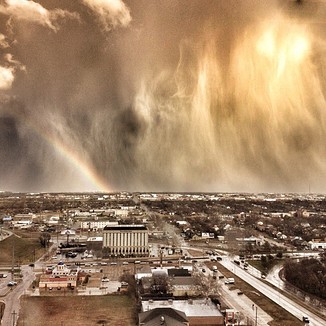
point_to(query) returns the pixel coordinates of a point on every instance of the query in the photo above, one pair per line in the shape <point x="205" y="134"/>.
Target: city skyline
<point x="212" y="96"/>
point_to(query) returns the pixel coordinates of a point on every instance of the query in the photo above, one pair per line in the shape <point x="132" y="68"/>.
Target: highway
<point x="273" y="294"/>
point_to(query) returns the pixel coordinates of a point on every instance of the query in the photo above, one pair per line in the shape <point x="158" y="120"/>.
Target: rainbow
<point x="83" y="167"/>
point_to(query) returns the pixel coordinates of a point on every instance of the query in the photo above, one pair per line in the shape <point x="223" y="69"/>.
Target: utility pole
<point x="14" y="314"/>
<point x="256" y="316"/>
<point x="13" y="260"/>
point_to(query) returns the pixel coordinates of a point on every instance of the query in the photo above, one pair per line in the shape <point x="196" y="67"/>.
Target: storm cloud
<point x="162" y="95"/>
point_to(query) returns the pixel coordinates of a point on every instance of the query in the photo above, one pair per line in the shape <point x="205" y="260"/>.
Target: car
<point x="125" y="263"/>
<point x="11" y="283"/>
<point x="305" y="319"/>
<point x="105" y="279"/>
<point x="229" y="280"/>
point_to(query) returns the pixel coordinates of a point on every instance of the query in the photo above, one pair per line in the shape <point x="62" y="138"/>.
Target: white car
<point x="12" y="283"/>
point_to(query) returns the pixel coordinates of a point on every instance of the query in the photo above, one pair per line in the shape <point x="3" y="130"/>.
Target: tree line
<point x="308" y="275"/>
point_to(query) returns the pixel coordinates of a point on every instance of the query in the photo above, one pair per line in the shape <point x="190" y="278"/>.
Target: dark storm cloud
<point x="162" y="95"/>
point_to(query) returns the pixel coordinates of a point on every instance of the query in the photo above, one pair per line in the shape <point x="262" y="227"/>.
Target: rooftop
<point x="127" y="227"/>
<point x="191" y="307"/>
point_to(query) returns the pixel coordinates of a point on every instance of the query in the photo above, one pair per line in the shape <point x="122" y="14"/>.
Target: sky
<point x="173" y="95"/>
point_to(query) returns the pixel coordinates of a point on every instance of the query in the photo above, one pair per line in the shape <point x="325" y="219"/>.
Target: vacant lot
<point x="116" y="310"/>
<point x="24" y="248"/>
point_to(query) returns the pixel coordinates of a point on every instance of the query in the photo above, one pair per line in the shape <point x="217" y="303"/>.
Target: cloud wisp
<point x="192" y="96"/>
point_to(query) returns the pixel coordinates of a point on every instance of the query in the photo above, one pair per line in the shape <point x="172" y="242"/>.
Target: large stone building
<point x="126" y="240"/>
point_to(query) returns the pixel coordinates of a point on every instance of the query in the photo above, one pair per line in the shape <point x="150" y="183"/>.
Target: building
<point x="162" y="316"/>
<point x="198" y="311"/>
<point x="317" y="244"/>
<point x="61" y="277"/>
<point x="96" y="224"/>
<point x="126" y="240"/>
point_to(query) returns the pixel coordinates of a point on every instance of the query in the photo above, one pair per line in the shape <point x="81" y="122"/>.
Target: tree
<point x="45" y="238"/>
<point x="159" y="284"/>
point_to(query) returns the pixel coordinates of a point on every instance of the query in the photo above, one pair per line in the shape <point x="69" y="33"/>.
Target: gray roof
<point x="178" y="272"/>
<point x="127" y="227"/>
<point x="163" y="316"/>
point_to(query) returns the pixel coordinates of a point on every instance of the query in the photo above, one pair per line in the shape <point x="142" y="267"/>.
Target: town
<point x="162" y="258"/>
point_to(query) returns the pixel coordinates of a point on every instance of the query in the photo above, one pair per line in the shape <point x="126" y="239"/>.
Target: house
<point x="183" y="286"/>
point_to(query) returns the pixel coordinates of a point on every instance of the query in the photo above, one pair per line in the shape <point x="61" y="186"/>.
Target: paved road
<point x="12" y="299"/>
<point x="274" y="295"/>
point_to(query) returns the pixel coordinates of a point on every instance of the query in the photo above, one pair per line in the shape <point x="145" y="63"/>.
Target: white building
<point x="96" y="224"/>
<point x="129" y="240"/>
<point x="317" y="244"/>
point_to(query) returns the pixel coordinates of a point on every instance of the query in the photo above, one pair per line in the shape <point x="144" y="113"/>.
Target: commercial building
<point x="60" y="277"/>
<point x="162" y="316"/>
<point x="96" y="224"/>
<point x="126" y="240"/>
<point x="197" y="311"/>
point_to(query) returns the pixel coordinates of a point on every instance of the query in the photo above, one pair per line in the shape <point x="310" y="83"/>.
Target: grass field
<point x="25" y="249"/>
<point x="115" y="310"/>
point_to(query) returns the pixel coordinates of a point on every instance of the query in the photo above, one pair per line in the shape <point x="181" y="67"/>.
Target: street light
<point x="256" y="315"/>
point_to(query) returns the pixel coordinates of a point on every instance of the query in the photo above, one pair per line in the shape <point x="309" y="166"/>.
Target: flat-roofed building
<point x="126" y="240"/>
<point x="96" y="224"/>
<point x="197" y="311"/>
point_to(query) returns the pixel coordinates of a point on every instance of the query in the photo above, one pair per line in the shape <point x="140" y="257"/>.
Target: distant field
<point x="24" y="249"/>
<point x="117" y="310"/>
